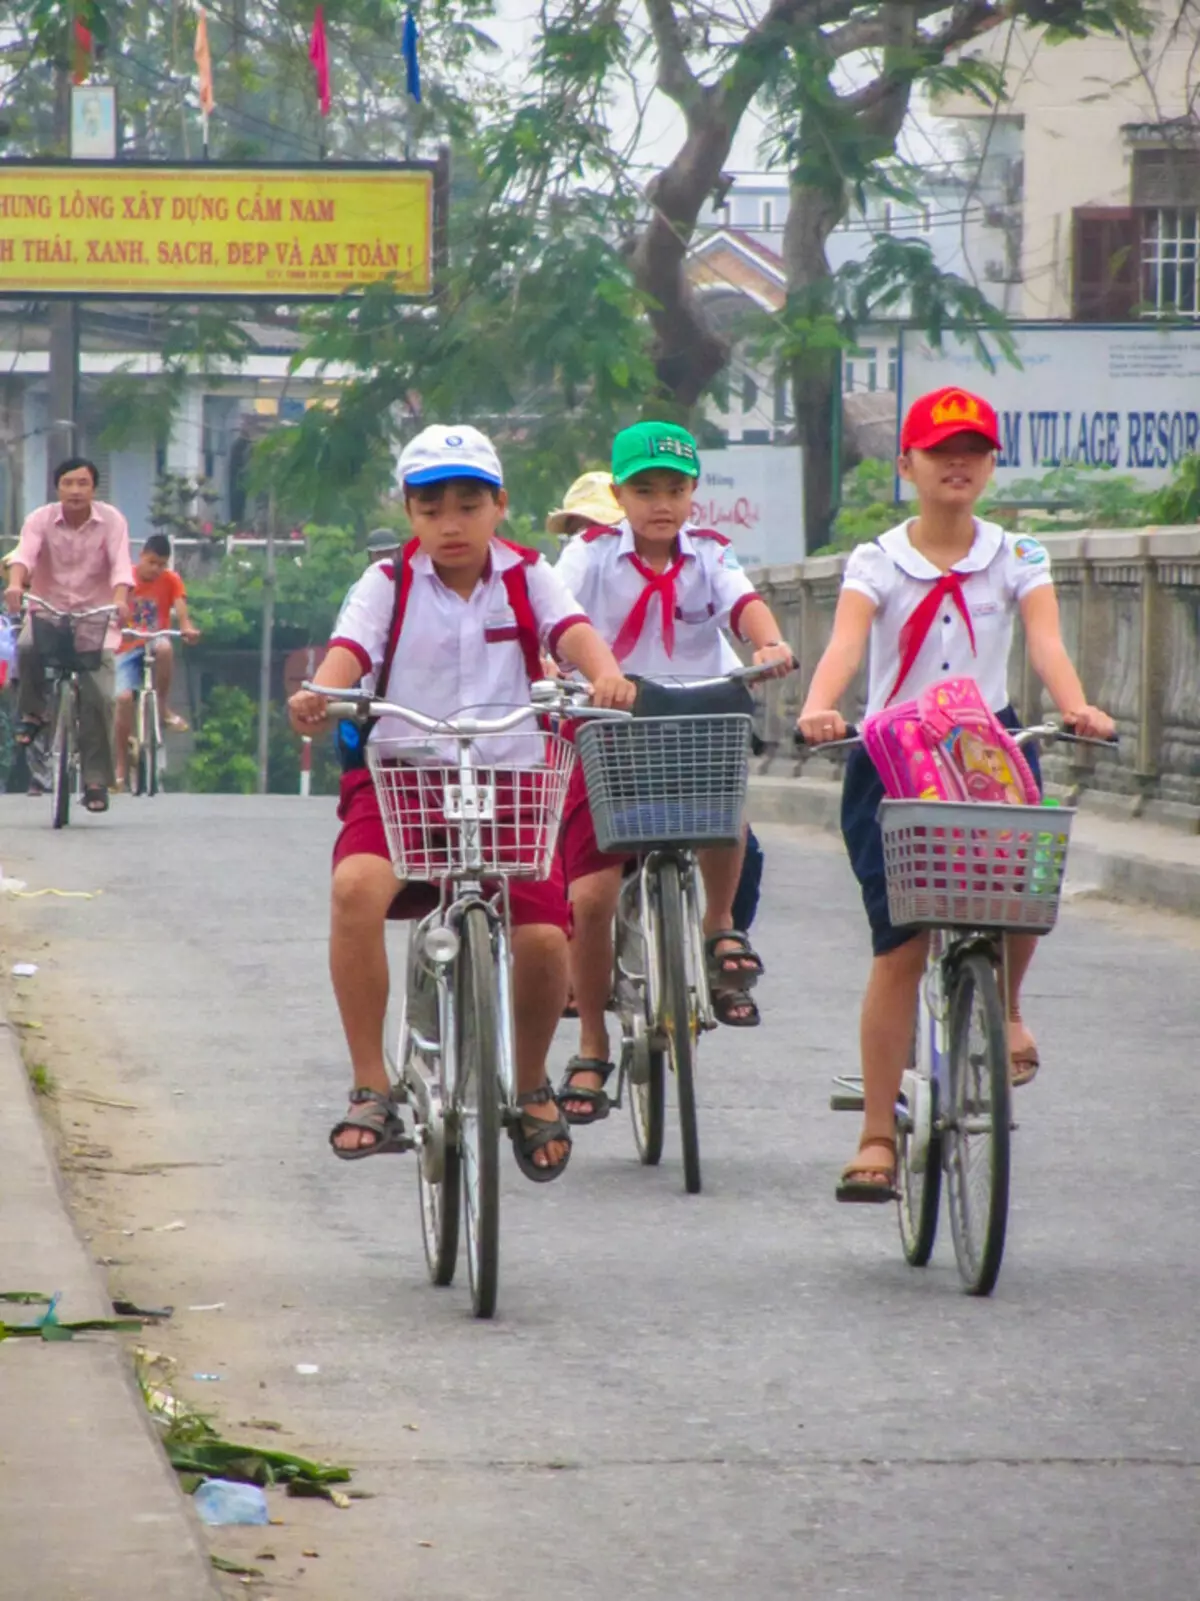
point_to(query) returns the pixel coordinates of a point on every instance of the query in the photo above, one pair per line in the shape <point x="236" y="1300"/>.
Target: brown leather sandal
<point x="854" y="1185"/>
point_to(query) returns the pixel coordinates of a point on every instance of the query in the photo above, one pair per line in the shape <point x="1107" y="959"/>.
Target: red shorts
<point x="531" y="900"/>
<point x="577" y="848"/>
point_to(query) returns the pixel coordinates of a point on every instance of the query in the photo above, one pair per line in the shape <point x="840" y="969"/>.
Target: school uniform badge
<point x="1030" y="552"/>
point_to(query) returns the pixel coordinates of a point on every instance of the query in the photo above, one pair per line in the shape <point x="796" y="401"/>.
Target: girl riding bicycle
<point x="935" y="596"/>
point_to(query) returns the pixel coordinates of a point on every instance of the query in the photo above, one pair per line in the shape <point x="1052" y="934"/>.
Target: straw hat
<point x="591" y="498"/>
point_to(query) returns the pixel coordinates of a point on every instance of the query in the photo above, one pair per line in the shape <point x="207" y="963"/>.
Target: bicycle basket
<point x="69" y="644"/>
<point x="666" y="780"/>
<point x="502" y="825"/>
<point x="951" y="864"/>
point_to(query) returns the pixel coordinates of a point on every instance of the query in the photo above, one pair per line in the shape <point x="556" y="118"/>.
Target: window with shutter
<point x="1105" y="263"/>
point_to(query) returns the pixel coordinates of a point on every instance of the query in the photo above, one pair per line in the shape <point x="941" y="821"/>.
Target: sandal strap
<point x="361" y="1097"/>
<point x="538" y="1097"/>
<point x="539" y="1131"/>
<point x="587" y="1064"/>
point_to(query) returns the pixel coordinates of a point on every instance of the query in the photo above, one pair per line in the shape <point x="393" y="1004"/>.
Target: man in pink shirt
<point x="75" y="554"/>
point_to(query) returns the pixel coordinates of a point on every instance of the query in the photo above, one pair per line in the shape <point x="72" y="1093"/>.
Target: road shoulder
<point x="91" y="1509"/>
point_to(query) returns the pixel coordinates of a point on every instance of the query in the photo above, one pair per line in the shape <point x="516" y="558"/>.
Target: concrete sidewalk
<point x="89" y="1508"/>
<point x="1123" y="859"/>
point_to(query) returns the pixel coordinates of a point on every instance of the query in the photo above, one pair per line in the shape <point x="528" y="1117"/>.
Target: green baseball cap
<point x="650" y="445"/>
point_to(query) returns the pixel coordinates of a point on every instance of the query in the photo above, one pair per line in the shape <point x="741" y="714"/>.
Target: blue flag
<point x="409" y="50"/>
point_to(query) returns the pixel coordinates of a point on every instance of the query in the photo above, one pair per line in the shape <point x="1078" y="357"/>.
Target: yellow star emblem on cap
<point x="955" y="407"/>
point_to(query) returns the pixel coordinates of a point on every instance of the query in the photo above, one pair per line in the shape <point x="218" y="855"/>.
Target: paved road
<point x="682" y="1398"/>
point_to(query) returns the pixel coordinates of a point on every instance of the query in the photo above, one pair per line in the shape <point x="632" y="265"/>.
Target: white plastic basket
<point x="503" y="824"/>
<point x="953" y="864"/>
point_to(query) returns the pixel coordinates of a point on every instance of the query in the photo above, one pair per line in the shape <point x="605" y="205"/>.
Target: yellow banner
<point x="209" y="230"/>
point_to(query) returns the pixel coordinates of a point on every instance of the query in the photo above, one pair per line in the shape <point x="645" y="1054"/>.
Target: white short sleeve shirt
<point x="453" y="651"/>
<point x="711" y="592"/>
<point x="997" y="573"/>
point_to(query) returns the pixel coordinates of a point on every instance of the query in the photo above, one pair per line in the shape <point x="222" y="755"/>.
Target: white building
<point x="1097" y="195"/>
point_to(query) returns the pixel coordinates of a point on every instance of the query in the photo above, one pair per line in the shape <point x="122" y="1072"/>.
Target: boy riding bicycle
<point x="933" y="597"/>
<point x="660" y="590"/>
<point x="158" y="594"/>
<point x="459" y="621"/>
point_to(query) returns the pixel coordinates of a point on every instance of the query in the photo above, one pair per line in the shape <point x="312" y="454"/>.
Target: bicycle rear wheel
<point x="677" y="1014"/>
<point x="62" y="757"/>
<point x="478" y="1054"/>
<point x="919" y="1192"/>
<point x="978" y="1123"/>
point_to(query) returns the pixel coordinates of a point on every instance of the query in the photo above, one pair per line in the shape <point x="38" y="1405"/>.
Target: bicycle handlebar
<point x="156" y="633"/>
<point x="1053" y="733"/>
<point x="94" y="611"/>
<point x="362" y="704"/>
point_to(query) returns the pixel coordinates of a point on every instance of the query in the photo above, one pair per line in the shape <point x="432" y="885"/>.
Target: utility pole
<point x="64" y="314"/>
<point x="268" y="635"/>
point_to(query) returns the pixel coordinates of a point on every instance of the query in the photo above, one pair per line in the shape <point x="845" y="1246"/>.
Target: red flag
<point x="318" y="54"/>
<point x="204" y="65"/>
<point x="81" y="52"/>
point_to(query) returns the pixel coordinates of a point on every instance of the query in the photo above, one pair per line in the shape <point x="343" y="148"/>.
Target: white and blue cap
<point x="460" y="451"/>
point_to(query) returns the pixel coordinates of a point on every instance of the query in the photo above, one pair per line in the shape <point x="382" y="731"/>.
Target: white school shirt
<point x="444" y="659"/>
<point x="999" y="570"/>
<point x="711" y="592"/>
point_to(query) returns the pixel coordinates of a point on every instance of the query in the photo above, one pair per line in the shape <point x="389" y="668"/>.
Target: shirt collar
<point x="896" y="543"/>
<point x="500" y="558"/>
<point x="61" y="519"/>
<point x="625" y="546"/>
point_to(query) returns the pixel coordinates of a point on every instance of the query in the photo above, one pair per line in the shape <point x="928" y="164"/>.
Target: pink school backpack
<point x="948" y="745"/>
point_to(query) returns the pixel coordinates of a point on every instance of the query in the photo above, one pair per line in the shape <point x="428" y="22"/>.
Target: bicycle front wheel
<point x="479" y="1109"/>
<point x="677" y="1014"/>
<point x="978" y="1123"/>
<point x="62" y="757"/>
<point x="150" y="746"/>
<point x="644" y="1066"/>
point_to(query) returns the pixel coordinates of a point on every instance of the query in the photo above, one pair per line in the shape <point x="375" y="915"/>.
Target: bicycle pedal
<point x="845" y="1103"/>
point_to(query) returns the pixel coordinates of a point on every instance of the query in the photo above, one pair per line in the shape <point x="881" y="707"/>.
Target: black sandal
<point x="746" y="968"/>
<point x="530" y="1134"/>
<point x="735" y="1008"/>
<point x="597" y="1100"/>
<point x="379" y="1118"/>
<point x="95" y="797"/>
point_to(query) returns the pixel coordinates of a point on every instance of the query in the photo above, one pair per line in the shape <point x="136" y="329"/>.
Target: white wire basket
<point x="502" y="822"/>
<point x="666" y="780"/>
<point x="954" y="864"/>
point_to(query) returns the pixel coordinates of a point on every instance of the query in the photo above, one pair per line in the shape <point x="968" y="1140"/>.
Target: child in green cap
<point x="660" y="591"/>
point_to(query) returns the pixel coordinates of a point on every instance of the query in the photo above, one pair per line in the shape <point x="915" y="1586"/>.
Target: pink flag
<point x="318" y="54"/>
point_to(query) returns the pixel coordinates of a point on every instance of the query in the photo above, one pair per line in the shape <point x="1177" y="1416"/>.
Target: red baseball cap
<point x="947" y="412"/>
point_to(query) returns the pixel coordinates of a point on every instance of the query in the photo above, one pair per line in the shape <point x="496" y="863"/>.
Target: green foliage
<point x="1179" y="501"/>
<point x="1076" y="497"/>
<point x="223" y="763"/>
<point x="539" y="338"/>
<point x="868" y="506"/>
<point x="226" y="752"/>
<point x="311" y="580"/>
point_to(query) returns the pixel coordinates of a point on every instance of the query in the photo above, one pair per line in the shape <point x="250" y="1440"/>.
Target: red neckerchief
<point x="656" y="584"/>
<point x="916" y="630"/>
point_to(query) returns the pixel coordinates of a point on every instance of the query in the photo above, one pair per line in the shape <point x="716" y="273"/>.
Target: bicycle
<point x="659" y="787"/>
<point x="455" y="824"/>
<point x="69" y="643"/>
<point x="145" y="753"/>
<point x="970" y="873"/>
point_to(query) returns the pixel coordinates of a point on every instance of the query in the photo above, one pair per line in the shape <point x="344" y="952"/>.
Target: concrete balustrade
<point x="1130" y="601"/>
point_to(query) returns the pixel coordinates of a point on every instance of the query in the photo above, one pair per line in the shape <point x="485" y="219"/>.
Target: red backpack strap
<point x="516" y="586"/>
<point x="404" y="582"/>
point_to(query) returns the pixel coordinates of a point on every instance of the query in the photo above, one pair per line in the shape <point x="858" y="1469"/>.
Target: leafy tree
<point x="223" y="762"/>
<point x="312" y="578"/>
